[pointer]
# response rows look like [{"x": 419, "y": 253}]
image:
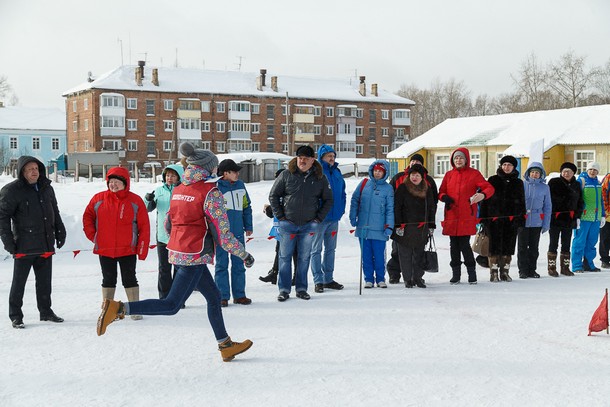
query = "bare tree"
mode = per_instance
[
  {"x": 570, "y": 78},
  {"x": 601, "y": 84},
  {"x": 5, "y": 88},
  {"x": 531, "y": 84}
]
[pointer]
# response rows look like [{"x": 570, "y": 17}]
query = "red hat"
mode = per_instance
[{"x": 379, "y": 167}]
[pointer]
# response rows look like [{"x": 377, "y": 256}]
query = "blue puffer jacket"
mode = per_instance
[
  {"x": 372, "y": 211},
  {"x": 337, "y": 184},
  {"x": 163, "y": 195},
  {"x": 537, "y": 199},
  {"x": 238, "y": 206}
]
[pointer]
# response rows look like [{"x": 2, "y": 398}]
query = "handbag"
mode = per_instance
[
  {"x": 430, "y": 264},
  {"x": 481, "y": 243}
]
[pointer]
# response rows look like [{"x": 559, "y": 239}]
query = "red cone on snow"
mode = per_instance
[{"x": 599, "y": 321}]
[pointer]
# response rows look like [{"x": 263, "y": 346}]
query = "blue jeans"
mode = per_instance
[
  {"x": 322, "y": 269},
  {"x": 301, "y": 237},
  {"x": 238, "y": 273},
  {"x": 185, "y": 280}
]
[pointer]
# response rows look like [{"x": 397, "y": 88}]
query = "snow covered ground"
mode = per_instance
[{"x": 504, "y": 344}]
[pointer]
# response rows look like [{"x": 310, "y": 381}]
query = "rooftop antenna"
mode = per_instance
[
  {"x": 120, "y": 41},
  {"x": 176, "y": 63},
  {"x": 239, "y": 63}
]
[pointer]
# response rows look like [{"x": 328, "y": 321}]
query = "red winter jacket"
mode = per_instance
[
  {"x": 117, "y": 223},
  {"x": 460, "y": 185}
]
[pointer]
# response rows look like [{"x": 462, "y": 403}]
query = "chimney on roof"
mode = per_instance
[
  {"x": 141, "y": 65},
  {"x": 138, "y": 77},
  {"x": 374, "y": 90},
  {"x": 155, "y": 78},
  {"x": 90, "y": 77},
  {"x": 362, "y": 85},
  {"x": 263, "y": 73},
  {"x": 274, "y": 83}
]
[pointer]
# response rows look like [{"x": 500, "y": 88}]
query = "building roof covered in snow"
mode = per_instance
[
  {"x": 575, "y": 126},
  {"x": 184, "y": 80},
  {"x": 32, "y": 118}
]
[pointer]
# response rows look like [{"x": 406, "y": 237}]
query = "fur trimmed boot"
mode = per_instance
[
  {"x": 552, "y": 260},
  {"x": 494, "y": 269},
  {"x": 133, "y": 295},
  {"x": 504, "y": 268},
  {"x": 229, "y": 349},
  {"x": 564, "y": 259}
]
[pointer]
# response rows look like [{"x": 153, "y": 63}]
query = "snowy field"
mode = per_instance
[{"x": 505, "y": 344}]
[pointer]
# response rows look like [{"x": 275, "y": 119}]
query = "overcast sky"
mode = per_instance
[{"x": 47, "y": 47}]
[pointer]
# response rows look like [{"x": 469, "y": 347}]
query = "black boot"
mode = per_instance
[
  {"x": 472, "y": 274},
  {"x": 457, "y": 274},
  {"x": 271, "y": 277}
]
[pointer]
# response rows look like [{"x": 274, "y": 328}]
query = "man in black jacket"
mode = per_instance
[
  {"x": 300, "y": 198},
  {"x": 30, "y": 225}
]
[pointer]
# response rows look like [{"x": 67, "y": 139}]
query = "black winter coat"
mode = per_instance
[
  {"x": 508, "y": 201},
  {"x": 566, "y": 197},
  {"x": 29, "y": 219},
  {"x": 412, "y": 206},
  {"x": 301, "y": 197}
]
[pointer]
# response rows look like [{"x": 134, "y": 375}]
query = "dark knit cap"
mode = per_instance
[
  {"x": 198, "y": 156},
  {"x": 417, "y": 157},
  {"x": 122, "y": 179},
  {"x": 568, "y": 165},
  {"x": 509, "y": 159},
  {"x": 419, "y": 169},
  {"x": 305, "y": 151}
]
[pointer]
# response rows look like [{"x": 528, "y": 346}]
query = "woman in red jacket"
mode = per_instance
[
  {"x": 116, "y": 221},
  {"x": 462, "y": 189}
]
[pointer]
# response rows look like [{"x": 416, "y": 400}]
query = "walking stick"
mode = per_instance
[{"x": 360, "y": 278}]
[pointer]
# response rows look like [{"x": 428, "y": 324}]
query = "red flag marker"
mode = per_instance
[
  {"x": 495, "y": 218},
  {"x": 421, "y": 225},
  {"x": 557, "y": 214},
  {"x": 248, "y": 239},
  {"x": 270, "y": 237},
  {"x": 76, "y": 252},
  {"x": 333, "y": 233},
  {"x": 599, "y": 321},
  {"x": 292, "y": 236},
  {"x": 542, "y": 216},
  {"x": 571, "y": 214},
  {"x": 46, "y": 255},
  {"x": 152, "y": 246},
  {"x": 352, "y": 231},
  {"x": 19, "y": 255},
  {"x": 511, "y": 218}
]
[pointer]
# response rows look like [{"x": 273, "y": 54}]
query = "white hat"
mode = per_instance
[{"x": 593, "y": 165}]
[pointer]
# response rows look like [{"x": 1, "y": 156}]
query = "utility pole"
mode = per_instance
[
  {"x": 288, "y": 126},
  {"x": 239, "y": 63},
  {"x": 120, "y": 41}
]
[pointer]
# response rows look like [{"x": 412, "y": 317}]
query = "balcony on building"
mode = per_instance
[
  {"x": 399, "y": 139},
  {"x": 304, "y": 133},
  {"x": 189, "y": 119},
  {"x": 236, "y": 146},
  {"x": 401, "y": 117},
  {"x": 239, "y": 110},
  {"x": 239, "y": 130},
  {"x": 345, "y": 149},
  {"x": 303, "y": 114},
  {"x": 112, "y": 114}
]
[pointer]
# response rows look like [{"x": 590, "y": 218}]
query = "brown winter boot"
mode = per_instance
[
  {"x": 552, "y": 260},
  {"x": 111, "y": 311},
  {"x": 229, "y": 349},
  {"x": 504, "y": 267},
  {"x": 493, "y": 268},
  {"x": 564, "y": 259},
  {"x": 133, "y": 295}
]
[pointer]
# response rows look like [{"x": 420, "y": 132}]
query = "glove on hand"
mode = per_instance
[
  {"x": 60, "y": 242},
  {"x": 602, "y": 223},
  {"x": 150, "y": 196},
  {"x": 544, "y": 230},
  {"x": 448, "y": 201},
  {"x": 11, "y": 248},
  {"x": 388, "y": 232},
  {"x": 430, "y": 232},
  {"x": 400, "y": 231},
  {"x": 577, "y": 223},
  {"x": 249, "y": 260}
]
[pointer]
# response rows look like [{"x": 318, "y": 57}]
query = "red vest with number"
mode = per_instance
[{"x": 189, "y": 227}]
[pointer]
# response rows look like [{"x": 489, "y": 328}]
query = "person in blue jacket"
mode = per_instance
[
  {"x": 372, "y": 213},
  {"x": 538, "y": 211},
  {"x": 159, "y": 199},
  {"x": 322, "y": 267},
  {"x": 239, "y": 211}
]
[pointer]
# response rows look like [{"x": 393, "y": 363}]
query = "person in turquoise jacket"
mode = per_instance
[
  {"x": 538, "y": 209},
  {"x": 239, "y": 212},
  {"x": 372, "y": 213},
  {"x": 592, "y": 219},
  {"x": 159, "y": 200}
]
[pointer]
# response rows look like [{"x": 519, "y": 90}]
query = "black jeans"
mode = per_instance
[
  {"x": 604, "y": 243},
  {"x": 43, "y": 270},
  {"x": 566, "y": 239},
  {"x": 527, "y": 249},
  {"x": 164, "y": 282},
  {"x": 460, "y": 246},
  {"x": 128, "y": 271}
]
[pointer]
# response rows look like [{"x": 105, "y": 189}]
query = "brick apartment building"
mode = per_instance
[{"x": 144, "y": 114}]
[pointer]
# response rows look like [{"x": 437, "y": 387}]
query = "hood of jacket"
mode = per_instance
[
  {"x": 385, "y": 164},
  {"x": 26, "y": 159},
  {"x": 178, "y": 168},
  {"x": 121, "y": 172},
  {"x": 466, "y": 153},
  {"x": 324, "y": 149},
  {"x": 535, "y": 164}
]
